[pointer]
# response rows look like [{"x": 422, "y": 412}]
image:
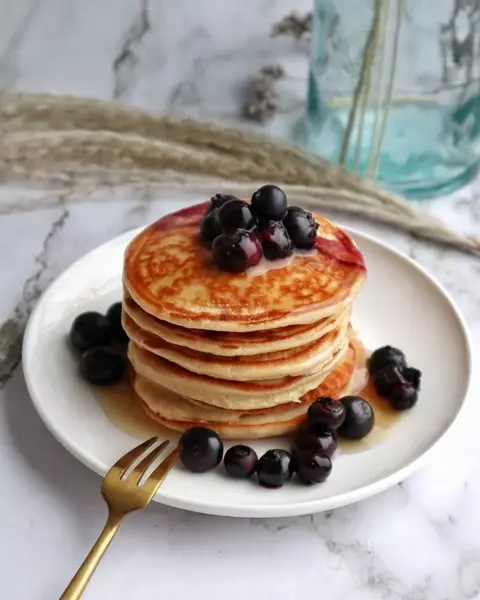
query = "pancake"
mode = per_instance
[
  {"x": 170, "y": 275},
  {"x": 173, "y": 406},
  {"x": 232, "y": 431},
  {"x": 304, "y": 360},
  {"x": 228, "y": 394},
  {"x": 179, "y": 414},
  {"x": 225, "y": 343}
]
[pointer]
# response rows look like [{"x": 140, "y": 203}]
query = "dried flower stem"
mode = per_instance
[
  {"x": 368, "y": 57},
  {"x": 376, "y": 146},
  {"x": 295, "y": 25},
  {"x": 261, "y": 102},
  {"x": 81, "y": 145}
]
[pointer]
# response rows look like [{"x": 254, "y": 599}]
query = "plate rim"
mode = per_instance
[{"x": 259, "y": 510}]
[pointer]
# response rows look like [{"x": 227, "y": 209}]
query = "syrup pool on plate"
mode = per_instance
[
  {"x": 124, "y": 412},
  {"x": 385, "y": 416}
]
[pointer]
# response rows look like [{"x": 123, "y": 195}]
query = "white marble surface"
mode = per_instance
[{"x": 418, "y": 541}]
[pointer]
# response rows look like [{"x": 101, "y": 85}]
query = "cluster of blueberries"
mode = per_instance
[
  {"x": 100, "y": 342},
  {"x": 352, "y": 418},
  {"x": 239, "y": 233},
  {"x": 394, "y": 380},
  {"x": 310, "y": 457}
]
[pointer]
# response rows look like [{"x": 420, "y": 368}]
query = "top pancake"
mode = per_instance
[{"x": 170, "y": 274}]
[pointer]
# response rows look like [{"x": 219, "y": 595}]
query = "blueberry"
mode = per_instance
[
  {"x": 413, "y": 376},
  {"x": 236, "y": 252},
  {"x": 269, "y": 203},
  {"x": 240, "y": 461},
  {"x": 301, "y": 227},
  {"x": 276, "y": 242},
  {"x": 387, "y": 378},
  {"x": 359, "y": 418},
  {"x": 102, "y": 366},
  {"x": 88, "y": 330},
  {"x": 114, "y": 316},
  {"x": 312, "y": 467},
  {"x": 403, "y": 397},
  {"x": 327, "y": 412},
  {"x": 201, "y": 449},
  {"x": 319, "y": 441},
  {"x": 390, "y": 377},
  {"x": 393, "y": 379},
  {"x": 234, "y": 215},
  {"x": 274, "y": 468},
  {"x": 219, "y": 200},
  {"x": 387, "y": 355},
  {"x": 210, "y": 227}
]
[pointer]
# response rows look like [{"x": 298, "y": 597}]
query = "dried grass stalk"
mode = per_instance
[{"x": 84, "y": 144}]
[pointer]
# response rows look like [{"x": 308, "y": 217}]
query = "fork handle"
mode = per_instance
[{"x": 79, "y": 582}]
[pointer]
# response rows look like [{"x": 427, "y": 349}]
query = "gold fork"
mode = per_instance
[{"x": 124, "y": 489}]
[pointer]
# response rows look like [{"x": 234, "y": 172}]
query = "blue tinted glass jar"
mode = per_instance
[{"x": 394, "y": 91}]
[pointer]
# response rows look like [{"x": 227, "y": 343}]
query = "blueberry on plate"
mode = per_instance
[
  {"x": 234, "y": 215},
  {"x": 326, "y": 412},
  {"x": 387, "y": 379},
  {"x": 102, "y": 366},
  {"x": 319, "y": 441},
  {"x": 240, "y": 461},
  {"x": 413, "y": 376},
  {"x": 201, "y": 449},
  {"x": 403, "y": 397},
  {"x": 301, "y": 227},
  {"x": 274, "y": 468},
  {"x": 114, "y": 316},
  {"x": 276, "y": 242},
  {"x": 312, "y": 467},
  {"x": 236, "y": 252},
  {"x": 90, "y": 329},
  {"x": 390, "y": 377},
  {"x": 387, "y": 355},
  {"x": 269, "y": 203},
  {"x": 359, "y": 418}
]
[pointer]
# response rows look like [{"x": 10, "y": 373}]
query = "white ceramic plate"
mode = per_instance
[{"x": 400, "y": 305}]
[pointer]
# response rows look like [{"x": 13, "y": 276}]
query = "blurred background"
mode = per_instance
[
  {"x": 179, "y": 56},
  {"x": 389, "y": 90}
]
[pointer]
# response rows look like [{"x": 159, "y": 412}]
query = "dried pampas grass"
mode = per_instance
[{"x": 84, "y": 144}]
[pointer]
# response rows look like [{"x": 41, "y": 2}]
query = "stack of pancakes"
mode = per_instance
[{"x": 243, "y": 354}]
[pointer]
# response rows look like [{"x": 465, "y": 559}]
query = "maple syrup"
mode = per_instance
[
  {"x": 385, "y": 416},
  {"x": 124, "y": 412}
]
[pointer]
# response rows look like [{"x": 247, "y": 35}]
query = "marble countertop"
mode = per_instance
[{"x": 418, "y": 541}]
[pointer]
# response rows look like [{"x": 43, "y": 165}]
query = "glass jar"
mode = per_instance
[{"x": 394, "y": 91}]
